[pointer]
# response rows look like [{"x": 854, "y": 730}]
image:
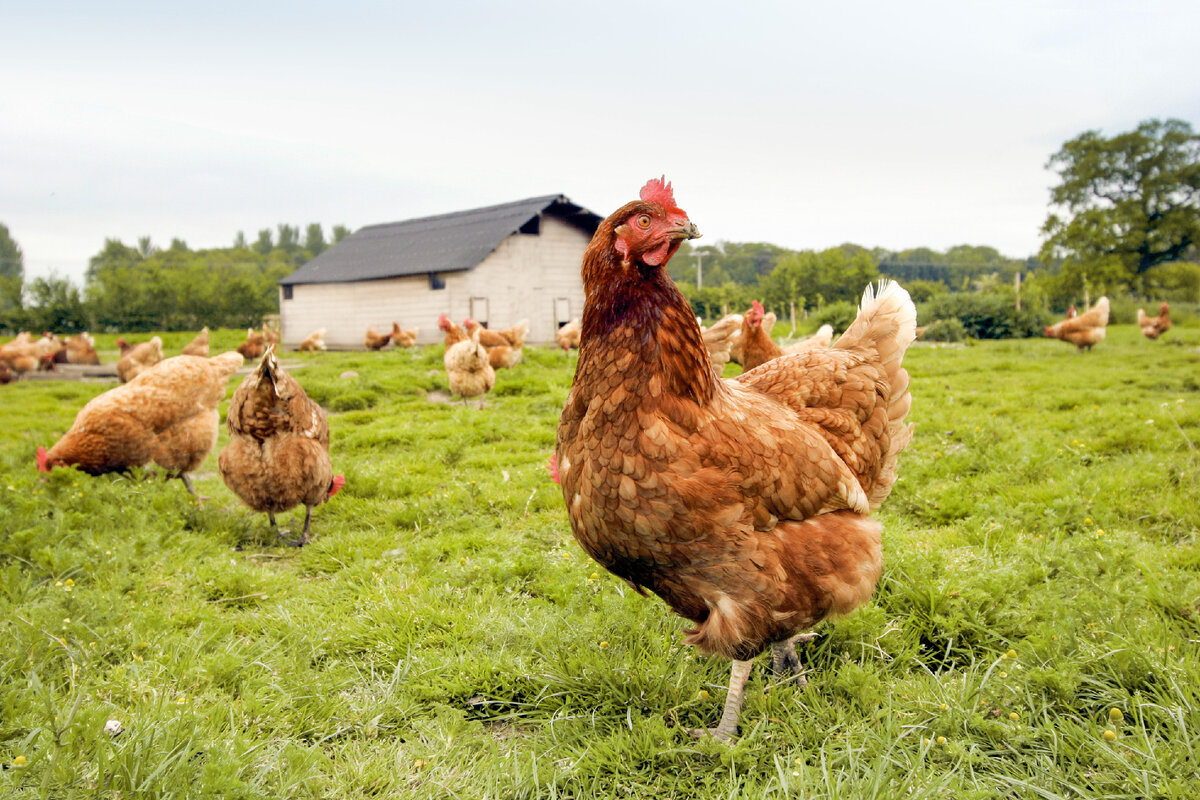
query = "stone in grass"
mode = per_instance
[
  {"x": 114, "y": 728},
  {"x": 348, "y": 374}
]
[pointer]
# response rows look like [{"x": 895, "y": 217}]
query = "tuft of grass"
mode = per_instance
[{"x": 444, "y": 637}]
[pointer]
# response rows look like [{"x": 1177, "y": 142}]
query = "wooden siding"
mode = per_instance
[{"x": 520, "y": 279}]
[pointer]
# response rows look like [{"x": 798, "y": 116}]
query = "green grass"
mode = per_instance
[{"x": 444, "y": 637}]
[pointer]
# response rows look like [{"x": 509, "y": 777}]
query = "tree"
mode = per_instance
[
  {"x": 289, "y": 237},
  {"x": 263, "y": 243},
  {"x": 12, "y": 271},
  {"x": 340, "y": 232},
  {"x": 1133, "y": 198},
  {"x": 239, "y": 241},
  {"x": 314, "y": 239}
]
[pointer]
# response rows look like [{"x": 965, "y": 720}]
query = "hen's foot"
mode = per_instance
[
  {"x": 785, "y": 663},
  {"x": 716, "y": 733}
]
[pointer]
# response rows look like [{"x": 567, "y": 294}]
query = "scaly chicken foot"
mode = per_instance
[
  {"x": 187, "y": 483},
  {"x": 305, "y": 534},
  {"x": 727, "y": 728},
  {"x": 785, "y": 663}
]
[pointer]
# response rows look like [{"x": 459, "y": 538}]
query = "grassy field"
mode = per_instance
[{"x": 1036, "y": 633}]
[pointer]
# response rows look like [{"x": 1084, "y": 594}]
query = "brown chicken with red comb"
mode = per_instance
[{"x": 742, "y": 503}]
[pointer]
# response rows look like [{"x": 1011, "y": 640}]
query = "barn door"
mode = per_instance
[
  {"x": 479, "y": 310},
  {"x": 562, "y": 311}
]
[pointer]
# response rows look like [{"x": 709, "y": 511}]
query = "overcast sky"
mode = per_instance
[{"x": 891, "y": 124}]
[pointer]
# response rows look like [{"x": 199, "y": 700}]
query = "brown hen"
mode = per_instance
[
  {"x": 1154, "y": 327},
  {"x": 167, "y": 414},
  {"x": 278, "y": 452},
  {"x": 137, "y": 358},
  {"x": 742, "y": 503},
  {"x": 1083, "y": 330}
]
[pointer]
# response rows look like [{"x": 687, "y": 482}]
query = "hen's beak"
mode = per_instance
[{"x": 686, "y": 231}]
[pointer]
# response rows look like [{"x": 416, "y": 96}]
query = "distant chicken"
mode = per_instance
[
  {"x": 1083, "y": 330},
  {"x": 735, "y": 349},
  {"x": 254, "y": 346},
  {"x": 137, "y": 358},
  {"x": 501, "y": 353},
  {"x": 270, "y": 335},
  {"x": 6, "y": 374},
  {"x": 313, "y": 342},
  {"x": 199, "y": 345},
  {"x": 1153, "y": 327},
  {"x": 742, "y": 503},
  {"x": 376, "y": 341},
  {"x": 468, "y": 369},
  {"x": 167, "y": 415},
  {"x": 719, "y": 339},
  {"x": 513, "y": 337},
  {"x": 24, "y": 355},
  {"x": 758, "y": 347},
  {"x": 278, "y": 452},
  {"x": 404, "y": 337},
  {"x": 454, "y": 333},
  {"x": 79, "y": 349},
  {"x": 568, "y": 335}
]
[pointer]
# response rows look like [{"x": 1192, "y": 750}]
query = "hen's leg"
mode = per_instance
[
  {"x": 307, "y": 524},
  {"x": 187, "y": 483},
  {"x": 271, "y": 516},
  {"x": 727, "y": 728},
  {"x": 785, "y": 662}
]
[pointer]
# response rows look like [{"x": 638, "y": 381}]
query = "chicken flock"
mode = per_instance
[{"x": 743, "y": 503}]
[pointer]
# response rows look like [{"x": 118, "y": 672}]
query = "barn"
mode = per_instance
[{"x": 498, "y": 265}]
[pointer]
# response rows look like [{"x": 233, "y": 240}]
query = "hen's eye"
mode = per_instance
[{"x": 644, "y": 221}]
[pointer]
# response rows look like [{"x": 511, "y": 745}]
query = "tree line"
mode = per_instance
[
  {"x": 142, "y": 287},
  {"x": 1124, "y": 220}
]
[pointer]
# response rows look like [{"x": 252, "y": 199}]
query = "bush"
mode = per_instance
[
  {"x": 944, "y": 330},
  {"x": 986, "y": 316},
  {"x": 839, "y": 315}
]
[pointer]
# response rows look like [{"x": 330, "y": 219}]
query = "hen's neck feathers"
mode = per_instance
[{"x": 633, "y": 307}]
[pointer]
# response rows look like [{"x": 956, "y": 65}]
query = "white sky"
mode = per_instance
[{"x": 807, "y": 125}]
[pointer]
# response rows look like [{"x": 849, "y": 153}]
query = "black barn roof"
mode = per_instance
[{"x": 443, "y": 243}]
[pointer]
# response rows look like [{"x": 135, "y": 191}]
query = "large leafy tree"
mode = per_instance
[{"x": 1125, "y": 203}]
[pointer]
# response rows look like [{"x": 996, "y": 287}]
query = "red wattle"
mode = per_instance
[{"x": 338, "y": 482}]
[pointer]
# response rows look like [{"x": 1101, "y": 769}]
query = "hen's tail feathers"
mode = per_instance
[
  {"x": 336, "y": 484},
  {"x": 887, "y": 324},
  {"x": 269, "y": 367}
]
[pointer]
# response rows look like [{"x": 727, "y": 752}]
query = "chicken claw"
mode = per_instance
[{"x": 784, "y": 661}]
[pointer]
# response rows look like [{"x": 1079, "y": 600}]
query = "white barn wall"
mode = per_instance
[{"x": 520, "y": 278}]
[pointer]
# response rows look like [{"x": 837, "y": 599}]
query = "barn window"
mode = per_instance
[
  {"x": 479, "y": 310},
  {"x": 287, "y": 292},
  {"x": 436, "y": 281},
  {"x": 562, "y": 310},
  {"x": 533, "y": 227}
]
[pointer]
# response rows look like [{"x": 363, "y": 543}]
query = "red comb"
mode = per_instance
[
  {"x": 757, "y": 306},
  {"x": 552, "y": 467},
  {"x": 41, "y": 459},
  {"x": 658, "y": 190},
  {"x": 338, "y": 482}
]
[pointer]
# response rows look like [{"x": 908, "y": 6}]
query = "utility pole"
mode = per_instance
[{"x": 699, "y": 270}]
